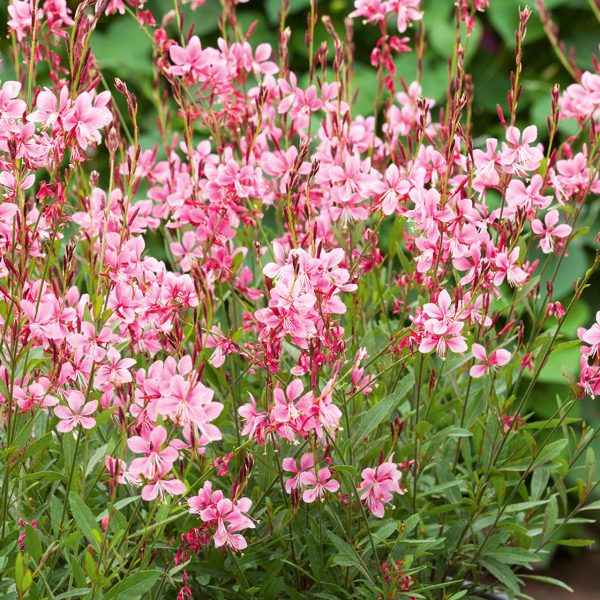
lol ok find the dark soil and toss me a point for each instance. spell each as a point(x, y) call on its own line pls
point(581, 573)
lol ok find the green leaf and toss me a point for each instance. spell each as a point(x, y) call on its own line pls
point(524, 506)
point(504, 16)
point(19, 569)
point(574, 543)
point(365, 83)
point(459, 432)
point(384, 532)
point(513, 556)
point(272, 7)
point(124, 48)
point(539, 481)
point(380, 412)
point(33, 543)
point(550, 452)
point(44, 475)
point(549, 580)
point(550, 518)
point(84, 518)
point(550, 423)
point(410, 524)
point(55, 514)
point(74, 593)
point(592, 506)
point(38, 446)
point(206, 19)
point(502, 573)
point(133, 586)
point(590, 467)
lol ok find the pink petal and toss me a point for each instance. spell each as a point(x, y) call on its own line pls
point(87, 422)
point(89, 408)
point(551, 219)
point(175, 487)
point(289, 464)
point(62, 412)
point(310, 495)
point(501, 357)
point(75, 400)
point(562, 231)
point(529, 135)
point(477, 371)
point(66, 425)
point(150, 492)
point(137, 444)
point(158, 436)
point(479, 352)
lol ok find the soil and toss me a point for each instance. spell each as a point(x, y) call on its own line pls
point(581, 573)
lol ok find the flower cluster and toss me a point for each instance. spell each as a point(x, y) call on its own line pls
point(313, 267)
point(590, 358)
point(227, 515)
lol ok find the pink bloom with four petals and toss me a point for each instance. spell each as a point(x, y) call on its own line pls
point(77, 413)
point(496, 359)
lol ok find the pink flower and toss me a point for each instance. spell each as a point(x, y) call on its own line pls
point(286, 411)
point(89, 343)
point(191, 404)
point(8, 180)
point(21, 14)
point(11, 106)
point(205, 498)
point(320, 484)
point(406, 11)
point(486, 166)
point(591, 336)
point(114, 6)
point(87, 116)
point(549, 231)
point(582, 100)
point(50, 110)
point(427, 213)
point(201, 65)
point(159, 487)
point(496, 359)
point(77, 413)
point(347, 207)
point(189, 250)
point(229, 518)
point(589, 378)
point(115, 371)
point(393, 187)
point(373, 11)
point(528, 198)
point(511, 422)
point(518, 156)
point(254, 420)
point(450, 339)
point(155, 459)
point(506, 268)
point(36, 395)
point(325, 415)
point(439, 315)
point(307, 462)
point(117, 469)
point(261, 63)
point(378, 485)
point(47, 319)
